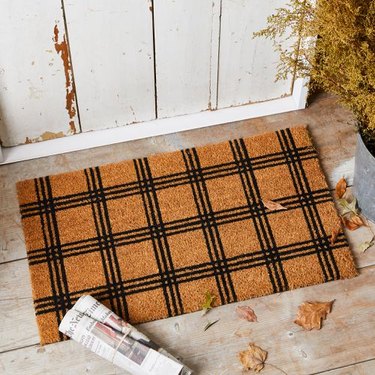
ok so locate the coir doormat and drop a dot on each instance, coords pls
(149, 237)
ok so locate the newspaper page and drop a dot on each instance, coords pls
(120, 349)
(96, 310)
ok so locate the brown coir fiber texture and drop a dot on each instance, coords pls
(149, 237)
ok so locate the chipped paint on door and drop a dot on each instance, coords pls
(46, 136)
(63, 50)
(111, 46)
(37, 98)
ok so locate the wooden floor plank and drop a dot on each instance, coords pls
(18, 328)
(347, 334)
(363, 368)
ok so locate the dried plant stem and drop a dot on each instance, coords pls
(342, 61)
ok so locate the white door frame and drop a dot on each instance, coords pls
(153, 128)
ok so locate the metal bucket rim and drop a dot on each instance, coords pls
(363, 145)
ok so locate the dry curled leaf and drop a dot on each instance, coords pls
(247, 313)
(335, 232)
(354, 222)
(273, 206)
(341, 188)
(208, 301)
(253, 358)
(311, 314)
(366, 245)
(348, 207)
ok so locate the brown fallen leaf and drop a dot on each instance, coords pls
(311, 314)
(253, 358)
(273, 206)
(247, 313)
(354, 222)
(341, 188)
(335, 232)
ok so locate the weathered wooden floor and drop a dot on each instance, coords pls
(345, 345)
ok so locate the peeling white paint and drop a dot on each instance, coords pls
(35, 99)
(110, 75)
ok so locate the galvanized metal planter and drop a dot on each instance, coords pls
(364, 179)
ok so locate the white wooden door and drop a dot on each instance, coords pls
(186, 52)
(68, 66)
(37, 100)
(111, 44)
(248, 66)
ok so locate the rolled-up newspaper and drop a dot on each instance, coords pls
(103, 332)
(96, 310)
(116, 347)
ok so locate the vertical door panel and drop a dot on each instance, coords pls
(112, 52)
(247, 65)
(186, 42)
(37, 100)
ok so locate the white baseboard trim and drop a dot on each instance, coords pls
(300, 92)
(156, 127)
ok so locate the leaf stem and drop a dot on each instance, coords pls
(210, 324)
